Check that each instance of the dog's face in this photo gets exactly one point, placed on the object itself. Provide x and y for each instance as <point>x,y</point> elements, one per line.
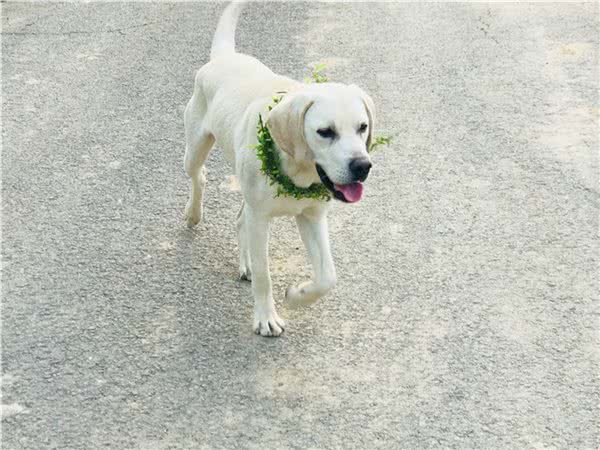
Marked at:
<point>332,125</point>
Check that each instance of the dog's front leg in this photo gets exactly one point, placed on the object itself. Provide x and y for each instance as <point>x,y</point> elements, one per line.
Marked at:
<point>266,320</point>
<point>315,236</point>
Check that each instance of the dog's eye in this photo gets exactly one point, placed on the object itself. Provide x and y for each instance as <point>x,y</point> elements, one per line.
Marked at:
<point>326,133</point>
<point>362,128</point>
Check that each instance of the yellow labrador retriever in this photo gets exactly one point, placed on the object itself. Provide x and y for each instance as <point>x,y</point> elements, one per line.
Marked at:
<point>320,133</point>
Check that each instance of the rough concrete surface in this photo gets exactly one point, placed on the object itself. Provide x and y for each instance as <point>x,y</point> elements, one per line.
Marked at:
<point>465,315</point>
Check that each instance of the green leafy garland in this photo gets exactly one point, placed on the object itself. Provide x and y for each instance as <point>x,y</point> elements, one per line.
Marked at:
<point>271,167</point>
<point>271,161</point>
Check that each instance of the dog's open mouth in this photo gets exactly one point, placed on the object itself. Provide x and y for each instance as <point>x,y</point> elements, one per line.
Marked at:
<point>349,193</point>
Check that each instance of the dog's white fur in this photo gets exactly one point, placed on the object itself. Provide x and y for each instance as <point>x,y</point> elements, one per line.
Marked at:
<point>229,94</point>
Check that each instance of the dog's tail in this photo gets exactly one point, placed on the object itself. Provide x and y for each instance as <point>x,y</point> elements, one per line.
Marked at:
<point>224,39</point>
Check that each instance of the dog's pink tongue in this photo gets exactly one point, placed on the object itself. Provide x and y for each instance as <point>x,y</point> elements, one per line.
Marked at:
<point>352,192</point>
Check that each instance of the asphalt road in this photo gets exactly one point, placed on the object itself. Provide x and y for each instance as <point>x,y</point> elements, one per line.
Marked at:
<point>466,314</point>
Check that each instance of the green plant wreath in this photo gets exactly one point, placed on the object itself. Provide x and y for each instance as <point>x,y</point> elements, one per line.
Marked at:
<point>271,167</point>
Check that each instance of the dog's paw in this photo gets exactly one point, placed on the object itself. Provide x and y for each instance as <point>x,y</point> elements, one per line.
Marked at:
<point>193,215</point>
<point>268,324</point>
<point>245,274</point>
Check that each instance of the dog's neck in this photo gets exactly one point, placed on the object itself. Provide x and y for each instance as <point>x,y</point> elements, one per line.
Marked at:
<point>303,173</point>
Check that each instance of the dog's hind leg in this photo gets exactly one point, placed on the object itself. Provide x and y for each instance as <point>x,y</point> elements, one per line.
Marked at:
<point>199,142</point>
<point>245,273</point>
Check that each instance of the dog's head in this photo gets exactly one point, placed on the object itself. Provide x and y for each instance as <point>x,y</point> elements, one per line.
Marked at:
<point>332,125</point>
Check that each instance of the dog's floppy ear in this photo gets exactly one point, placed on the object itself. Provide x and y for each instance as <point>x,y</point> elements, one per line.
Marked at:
<point>370,107</point>
<point>286,124</point>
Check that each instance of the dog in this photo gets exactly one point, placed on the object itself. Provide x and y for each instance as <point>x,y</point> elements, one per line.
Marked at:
<point>321,134</point>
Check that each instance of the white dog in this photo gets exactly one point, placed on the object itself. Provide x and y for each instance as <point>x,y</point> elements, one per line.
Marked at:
<point>321,134</point>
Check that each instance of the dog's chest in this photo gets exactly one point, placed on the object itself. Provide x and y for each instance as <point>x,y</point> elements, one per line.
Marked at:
<point>287,206</point>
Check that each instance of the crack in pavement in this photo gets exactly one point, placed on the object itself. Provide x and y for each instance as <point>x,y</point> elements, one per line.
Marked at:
<point>68,33</point>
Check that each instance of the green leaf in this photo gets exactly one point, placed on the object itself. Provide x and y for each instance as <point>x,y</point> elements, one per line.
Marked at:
<point>317,75</point>
<point>378,141</point>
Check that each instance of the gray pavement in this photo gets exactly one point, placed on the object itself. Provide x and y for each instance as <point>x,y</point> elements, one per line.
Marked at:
<point>466,312</point>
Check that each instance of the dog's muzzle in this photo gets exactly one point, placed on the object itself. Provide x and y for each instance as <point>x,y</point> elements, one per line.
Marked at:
<point>348,193</point>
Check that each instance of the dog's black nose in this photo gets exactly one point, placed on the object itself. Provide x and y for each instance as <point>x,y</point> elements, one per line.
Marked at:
<point>359,168</point>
